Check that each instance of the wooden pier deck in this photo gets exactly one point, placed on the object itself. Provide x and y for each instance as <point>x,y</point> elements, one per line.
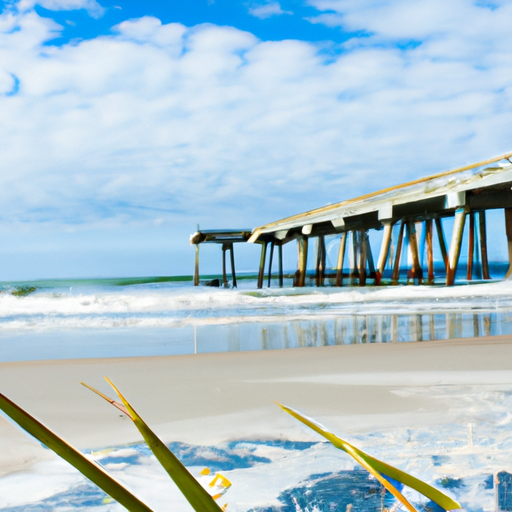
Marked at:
<point>401,212</point>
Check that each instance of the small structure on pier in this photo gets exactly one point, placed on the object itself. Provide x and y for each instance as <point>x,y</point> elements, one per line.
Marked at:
<point>418,206</point>
<point>226,238</point>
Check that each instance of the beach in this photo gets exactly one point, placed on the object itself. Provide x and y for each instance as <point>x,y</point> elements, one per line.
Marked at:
<point>210,398</point>
<point>420,377</point>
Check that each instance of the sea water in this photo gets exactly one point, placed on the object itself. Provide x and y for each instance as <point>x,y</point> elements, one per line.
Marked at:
<point>93,318</point>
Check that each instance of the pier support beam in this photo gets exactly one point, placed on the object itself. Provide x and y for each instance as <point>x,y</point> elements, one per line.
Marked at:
<point>442,242</point>
<point>369,254</point>
<point>341,257</point>
<point>384,251</point>
<point>398,254</point>
<point>224,274</point>
<point>355,253</point>
<point>232,258</point>
<point>303,260</point>
<point>196,267</point>
<point>471,246</point>
<point>280,255</point>
<point>482,232</point>
<point>362,256</point>
<point>508,229</point>
<point>416,271</point>
<point>270,258</point>
<point>458,231</point>
<point>320,260</point>
<point>430,251</point>
<point>422,244</point>
<point>261,273</point>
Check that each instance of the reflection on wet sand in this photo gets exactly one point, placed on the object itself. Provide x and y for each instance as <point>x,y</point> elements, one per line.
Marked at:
<point>305,330</point>
<point>349,329</point>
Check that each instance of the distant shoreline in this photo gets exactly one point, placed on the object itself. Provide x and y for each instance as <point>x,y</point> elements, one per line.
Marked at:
<point>498,271</point>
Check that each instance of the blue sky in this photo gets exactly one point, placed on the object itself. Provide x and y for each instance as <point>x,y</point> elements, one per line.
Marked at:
<point>126,124</point>
<point>270,21</point>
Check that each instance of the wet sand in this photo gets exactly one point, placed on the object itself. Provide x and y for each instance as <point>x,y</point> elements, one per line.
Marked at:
<point>206,398</point>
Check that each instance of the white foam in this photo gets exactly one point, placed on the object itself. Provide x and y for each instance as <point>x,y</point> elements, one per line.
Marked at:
<point>175,306</point>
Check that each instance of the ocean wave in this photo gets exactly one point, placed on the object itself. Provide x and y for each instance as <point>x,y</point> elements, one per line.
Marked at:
<point>185,305</point>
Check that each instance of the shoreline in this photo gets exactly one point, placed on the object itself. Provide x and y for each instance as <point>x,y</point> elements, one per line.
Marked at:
<point>208,398</point>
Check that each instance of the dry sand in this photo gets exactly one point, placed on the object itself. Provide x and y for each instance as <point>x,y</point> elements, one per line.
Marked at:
<point>211,397</point>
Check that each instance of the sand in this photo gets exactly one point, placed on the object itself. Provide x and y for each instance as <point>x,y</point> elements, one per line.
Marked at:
<point>207,398</point>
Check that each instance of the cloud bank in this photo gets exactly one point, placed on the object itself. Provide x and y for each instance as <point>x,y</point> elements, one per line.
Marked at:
<point>267,10</point>
<point>91,6</point>
<point>200,124</point>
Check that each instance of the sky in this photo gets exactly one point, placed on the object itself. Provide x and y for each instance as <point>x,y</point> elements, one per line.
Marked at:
<point>126,124</point>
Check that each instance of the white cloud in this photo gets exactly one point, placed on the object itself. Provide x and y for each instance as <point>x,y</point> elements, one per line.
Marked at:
<point>267,10</point>
<point>415,19</point>
<point>329,19</point>
<point>7,84</point>
<point>150,29</point>
<point>91,6</point>
<point>209,124</point>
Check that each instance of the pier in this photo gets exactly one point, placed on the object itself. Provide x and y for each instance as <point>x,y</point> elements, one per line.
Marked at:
<point>411,218</point>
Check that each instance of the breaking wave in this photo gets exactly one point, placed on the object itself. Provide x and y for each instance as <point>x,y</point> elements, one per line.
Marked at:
<point>169,304</point>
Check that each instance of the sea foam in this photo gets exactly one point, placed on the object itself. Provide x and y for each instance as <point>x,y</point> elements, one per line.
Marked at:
<point>168,306</point>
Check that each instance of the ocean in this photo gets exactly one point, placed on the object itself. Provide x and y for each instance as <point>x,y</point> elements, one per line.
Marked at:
<point>124,317</point>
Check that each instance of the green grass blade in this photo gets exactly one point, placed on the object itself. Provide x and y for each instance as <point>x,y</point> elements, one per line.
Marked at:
<point>388,485</point>
<point>116,404</point>
<point>348,449</point>
<point>422,487</point>
<point>91,470</point>
<point>196,495</point>
<point>427,490</point>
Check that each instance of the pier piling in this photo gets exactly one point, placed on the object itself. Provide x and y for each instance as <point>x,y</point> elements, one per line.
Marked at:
<point>455,245</point>
<point>232,257</point>
<point>303,260</point>
<point>398,254</point>
<point>196,266</point>
<point>482,232</point>
<point>261,272</point>
<point>384,251</point>
<point>341,258</point>
<point>471,246</point>
<point>280,256</point>
<point>416,271</point>
<point>430,251</point>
